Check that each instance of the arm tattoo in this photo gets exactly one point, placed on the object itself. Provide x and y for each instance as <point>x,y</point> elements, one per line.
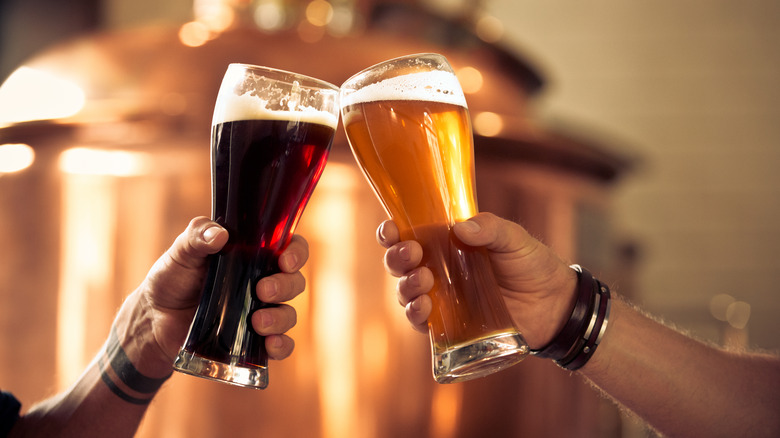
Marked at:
<point>127,374</point>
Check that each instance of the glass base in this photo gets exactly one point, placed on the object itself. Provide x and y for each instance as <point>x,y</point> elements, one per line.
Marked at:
<point>194,365</point>
<point>480,358</point>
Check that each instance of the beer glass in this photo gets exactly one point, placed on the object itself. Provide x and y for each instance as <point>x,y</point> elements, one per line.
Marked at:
<point>270,137</point>
<point>409,129</point>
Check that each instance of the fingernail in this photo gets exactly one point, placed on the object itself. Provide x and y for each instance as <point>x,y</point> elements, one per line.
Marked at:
<point>381,233</point>
<point>414,278</point>
<point>404,253</point>
<point>290,260</point>
<point>415,304</point>
<point>270,289</point>
<point>265,320</point>
<point>210,233</point>
<point>470,226</point>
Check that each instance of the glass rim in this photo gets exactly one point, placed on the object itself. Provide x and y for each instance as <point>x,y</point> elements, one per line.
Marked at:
<point>394,60</point>
<point>289,75</point>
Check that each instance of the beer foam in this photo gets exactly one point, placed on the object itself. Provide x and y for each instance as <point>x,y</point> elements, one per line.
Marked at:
<point>435,86</point>
<point>232,107</point>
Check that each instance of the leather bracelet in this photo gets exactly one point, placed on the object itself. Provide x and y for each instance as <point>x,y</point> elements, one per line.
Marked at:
<point>566,339</point>
<point>578,339</point>
<point>593,334</point>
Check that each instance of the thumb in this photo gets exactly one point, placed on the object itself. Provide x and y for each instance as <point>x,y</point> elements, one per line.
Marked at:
<point>174,280</point>
<point>201,238</point>
<point>494,233</point>
<point>480,230</point>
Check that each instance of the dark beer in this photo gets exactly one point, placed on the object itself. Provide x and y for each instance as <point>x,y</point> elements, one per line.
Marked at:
<point>264,173</point>
<point>270,138</point>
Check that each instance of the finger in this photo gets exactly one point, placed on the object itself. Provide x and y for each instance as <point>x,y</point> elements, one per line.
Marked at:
<point>279,347</point>
<point>280,287</point>
<point>274,320</point>
<point>295,255</point>
<point>418,311</point>
<point>403,257</point>
<point>494,233</point>
<point>387,234</point>
<point>410,287</point>
<point>201,238</point>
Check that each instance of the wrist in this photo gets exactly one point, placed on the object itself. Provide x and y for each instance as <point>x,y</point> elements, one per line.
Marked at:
<point>581,334</point>
<point>567,292</point>
<point>558,297</point>
<point>132,364</point>
<point>136,329</point>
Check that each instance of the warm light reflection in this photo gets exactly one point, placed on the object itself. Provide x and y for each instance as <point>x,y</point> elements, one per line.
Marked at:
<point>216,15</point>
<point>445,410</point>
<point>470,79</point>
<point>86,161</point>
<point>334,296</point>
<point>375,348</point>
<point>30,94</point>
<point>15,157</point>
<point>726,308</point>
<point>738,314</point>
<point>719,305</point>
<point>343,20</point>
<point>86,259</point>
<point>194,34</point>
<point>488,124</point>
<point>319,13</point>
<point>489,29</point>
<point>269,15</point>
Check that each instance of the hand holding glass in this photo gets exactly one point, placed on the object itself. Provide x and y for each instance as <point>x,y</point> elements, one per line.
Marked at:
<point>270,137</point>
<point>409,129</point>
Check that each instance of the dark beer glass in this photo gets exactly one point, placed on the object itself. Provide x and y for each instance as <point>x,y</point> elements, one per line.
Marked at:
<point>409,128</point>
<point>270,137</point>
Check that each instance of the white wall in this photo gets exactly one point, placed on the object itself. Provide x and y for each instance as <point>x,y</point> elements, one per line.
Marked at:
<point>692,87</point>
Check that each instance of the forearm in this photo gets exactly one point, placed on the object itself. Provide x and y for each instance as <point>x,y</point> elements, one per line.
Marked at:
<point>681,386</point>
<point>111,396</point>
<point>87,409</point>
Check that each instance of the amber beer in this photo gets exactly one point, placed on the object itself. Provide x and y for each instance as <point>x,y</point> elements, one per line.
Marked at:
<point>411,136</point>
<point>270,142</point>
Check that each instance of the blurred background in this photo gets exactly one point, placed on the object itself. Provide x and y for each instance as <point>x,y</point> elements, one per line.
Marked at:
<point>640,140</point>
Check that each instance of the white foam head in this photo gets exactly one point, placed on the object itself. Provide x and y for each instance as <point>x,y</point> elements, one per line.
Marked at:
<point>233,107</point>
<point>233,104</point>
<point>434,86</point>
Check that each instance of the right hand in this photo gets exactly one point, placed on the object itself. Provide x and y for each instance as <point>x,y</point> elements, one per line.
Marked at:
<point>538,287</point>
<point>171,291</point>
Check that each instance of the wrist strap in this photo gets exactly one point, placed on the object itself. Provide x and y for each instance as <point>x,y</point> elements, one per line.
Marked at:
<point>575,344</point>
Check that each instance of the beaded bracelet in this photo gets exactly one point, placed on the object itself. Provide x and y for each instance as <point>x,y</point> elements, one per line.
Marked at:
<point>575,344</point>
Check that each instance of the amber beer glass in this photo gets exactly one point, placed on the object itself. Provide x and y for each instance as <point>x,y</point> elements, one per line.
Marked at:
<point>270,137</point>
<point>409,128</point>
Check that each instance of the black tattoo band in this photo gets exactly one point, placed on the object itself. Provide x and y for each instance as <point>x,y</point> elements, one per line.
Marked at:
<point>125,370</point>
<point>117,390</point>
